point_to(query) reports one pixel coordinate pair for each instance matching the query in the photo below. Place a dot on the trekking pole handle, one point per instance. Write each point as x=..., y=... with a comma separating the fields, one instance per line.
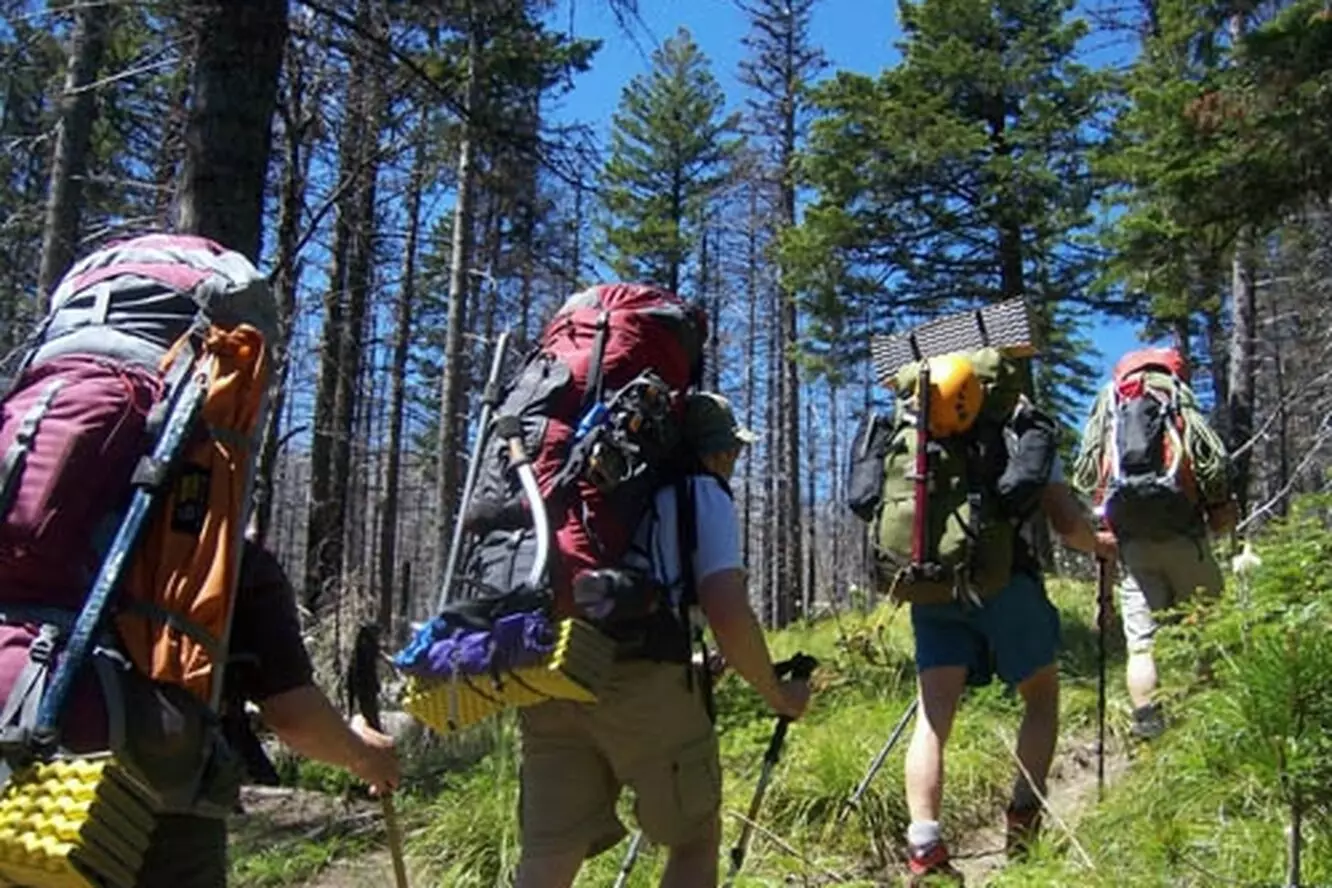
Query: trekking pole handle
x=798, y=668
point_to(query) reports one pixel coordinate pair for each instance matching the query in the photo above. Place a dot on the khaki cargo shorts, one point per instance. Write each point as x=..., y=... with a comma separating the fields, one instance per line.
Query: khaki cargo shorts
x=1161, y=575
x=648, y=731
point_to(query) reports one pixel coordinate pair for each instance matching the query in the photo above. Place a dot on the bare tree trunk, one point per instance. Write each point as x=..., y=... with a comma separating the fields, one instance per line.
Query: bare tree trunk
x=774, y=503
x=238, y=58
x=835, y=522
x=811, y=475
x=286, y=280
x=1242, y=378
x=751, y=357
x=402, y=333
x=323, y=543
x=69, y=159
x=459, y=262
x=346, y=392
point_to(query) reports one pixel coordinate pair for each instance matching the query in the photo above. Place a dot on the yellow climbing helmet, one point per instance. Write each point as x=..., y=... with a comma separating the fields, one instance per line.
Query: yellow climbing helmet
x=955, y=394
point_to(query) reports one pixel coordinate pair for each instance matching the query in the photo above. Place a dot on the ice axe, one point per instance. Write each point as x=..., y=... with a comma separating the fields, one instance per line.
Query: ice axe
x=363, y=681
x=800, y=668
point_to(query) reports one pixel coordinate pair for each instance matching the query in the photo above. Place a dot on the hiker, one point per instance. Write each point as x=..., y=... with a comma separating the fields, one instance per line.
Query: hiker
x=270, y=668
x=1161, y=510
x=1016, y=634
x=651, y=728
x=951, y=486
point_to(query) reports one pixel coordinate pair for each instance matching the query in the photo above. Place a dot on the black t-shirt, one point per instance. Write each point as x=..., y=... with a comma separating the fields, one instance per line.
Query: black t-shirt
x=268, y=656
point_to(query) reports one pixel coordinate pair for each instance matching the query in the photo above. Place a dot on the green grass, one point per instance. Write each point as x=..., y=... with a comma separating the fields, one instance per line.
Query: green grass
x=1203, y=805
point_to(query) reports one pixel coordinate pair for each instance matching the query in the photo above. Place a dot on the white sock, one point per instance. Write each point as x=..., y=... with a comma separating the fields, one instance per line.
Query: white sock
x=922, y=833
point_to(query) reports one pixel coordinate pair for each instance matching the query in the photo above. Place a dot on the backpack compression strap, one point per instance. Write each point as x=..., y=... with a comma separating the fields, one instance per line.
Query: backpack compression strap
x=687, y=534
x=186, y=398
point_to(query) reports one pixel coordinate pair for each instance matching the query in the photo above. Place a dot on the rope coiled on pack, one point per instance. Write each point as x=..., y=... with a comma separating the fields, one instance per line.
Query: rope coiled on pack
x=1204, y=446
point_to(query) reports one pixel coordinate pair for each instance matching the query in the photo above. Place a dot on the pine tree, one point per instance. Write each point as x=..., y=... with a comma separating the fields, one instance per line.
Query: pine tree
x=671, y=144
x=962, y=176
x=782, y=62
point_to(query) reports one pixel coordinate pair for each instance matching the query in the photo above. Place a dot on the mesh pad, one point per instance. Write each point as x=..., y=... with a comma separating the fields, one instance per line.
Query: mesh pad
x=72, y=823
x=1004, y=325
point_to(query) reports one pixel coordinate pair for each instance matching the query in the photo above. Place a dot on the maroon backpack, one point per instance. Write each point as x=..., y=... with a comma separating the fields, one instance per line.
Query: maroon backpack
x=600, y=401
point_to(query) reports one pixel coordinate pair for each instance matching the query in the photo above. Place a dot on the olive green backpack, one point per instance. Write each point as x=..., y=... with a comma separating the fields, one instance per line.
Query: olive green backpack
x=970, y=536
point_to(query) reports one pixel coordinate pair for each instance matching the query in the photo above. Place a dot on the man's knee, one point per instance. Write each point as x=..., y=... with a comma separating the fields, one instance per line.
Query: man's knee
x=940, y=692
x=1041, y=688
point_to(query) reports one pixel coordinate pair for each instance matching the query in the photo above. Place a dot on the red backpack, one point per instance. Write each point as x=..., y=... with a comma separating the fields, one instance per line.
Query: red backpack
x=600, y=401
x=128, y=440
x=1147, y=486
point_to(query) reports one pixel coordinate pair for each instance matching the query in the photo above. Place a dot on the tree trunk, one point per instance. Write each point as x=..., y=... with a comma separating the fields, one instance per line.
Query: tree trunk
x=69, y=159
x=459, y=262
x=834, y=523
x=323, y=544
x=751, y=359
x=402, y=333
x=347, y=390
x=238, y=58
x=286, y=280
x=774, y=503
x=811, y=475
x=1242, y=378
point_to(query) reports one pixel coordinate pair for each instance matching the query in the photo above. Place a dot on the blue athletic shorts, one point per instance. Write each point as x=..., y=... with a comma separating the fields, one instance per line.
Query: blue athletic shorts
x=1014, y=634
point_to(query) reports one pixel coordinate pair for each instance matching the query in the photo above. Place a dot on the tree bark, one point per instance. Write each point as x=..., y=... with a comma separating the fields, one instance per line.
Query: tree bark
x=402, y=333
x=459, y=261
x=286, y=280
x=69, y=158
x=1242, y=383
x=238, y=57
x=323, y=545
x=751, y=358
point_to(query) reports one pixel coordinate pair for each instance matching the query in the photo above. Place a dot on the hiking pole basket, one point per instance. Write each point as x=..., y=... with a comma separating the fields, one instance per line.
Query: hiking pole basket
x=877, y=763
x=799, y=668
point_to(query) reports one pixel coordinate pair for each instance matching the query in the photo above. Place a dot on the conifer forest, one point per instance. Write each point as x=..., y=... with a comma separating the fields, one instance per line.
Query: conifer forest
x=393, y=168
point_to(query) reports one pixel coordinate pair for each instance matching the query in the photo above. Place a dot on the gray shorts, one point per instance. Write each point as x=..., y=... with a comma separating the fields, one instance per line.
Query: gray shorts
x=1161, y=575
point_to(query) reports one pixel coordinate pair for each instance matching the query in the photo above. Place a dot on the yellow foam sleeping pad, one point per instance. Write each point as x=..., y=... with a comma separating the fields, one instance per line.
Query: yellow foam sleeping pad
x=72, y=823
x=576, y=669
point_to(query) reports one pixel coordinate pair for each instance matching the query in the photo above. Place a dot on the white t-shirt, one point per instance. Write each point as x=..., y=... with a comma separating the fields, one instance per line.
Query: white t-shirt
x=656, y=546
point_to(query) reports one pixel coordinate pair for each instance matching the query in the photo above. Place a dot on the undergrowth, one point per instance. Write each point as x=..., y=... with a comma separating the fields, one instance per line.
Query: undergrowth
x=1248, y=688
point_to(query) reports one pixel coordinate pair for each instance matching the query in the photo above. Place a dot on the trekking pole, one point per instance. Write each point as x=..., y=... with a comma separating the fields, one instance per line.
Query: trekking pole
x=489, y=400
x=800, y=668
x=879, y=759
x=1102, y=619
x=630, y=858
x=364, y=681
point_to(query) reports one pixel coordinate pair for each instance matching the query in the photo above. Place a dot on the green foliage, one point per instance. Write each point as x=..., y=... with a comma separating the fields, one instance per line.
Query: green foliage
x=671, y=146
x=1248, y=685
x=959, y=177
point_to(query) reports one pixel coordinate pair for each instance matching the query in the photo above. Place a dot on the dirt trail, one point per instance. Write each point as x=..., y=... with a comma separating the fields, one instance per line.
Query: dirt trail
x=1072, y=791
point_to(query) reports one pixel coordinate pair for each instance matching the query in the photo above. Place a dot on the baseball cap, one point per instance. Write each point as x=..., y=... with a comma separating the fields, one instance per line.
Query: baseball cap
x=710, y=424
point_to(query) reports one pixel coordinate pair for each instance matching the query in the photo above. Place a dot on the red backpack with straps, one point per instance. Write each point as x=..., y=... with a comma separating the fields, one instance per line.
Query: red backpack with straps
x=1147, y=484
x=601, y=404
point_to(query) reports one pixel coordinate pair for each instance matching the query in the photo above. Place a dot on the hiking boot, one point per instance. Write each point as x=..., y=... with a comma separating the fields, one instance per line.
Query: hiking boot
x=1148, y=722
x=930, y=865
x=1022, y=826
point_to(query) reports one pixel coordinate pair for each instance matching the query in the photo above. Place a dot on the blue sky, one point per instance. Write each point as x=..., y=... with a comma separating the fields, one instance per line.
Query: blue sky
x=855, y=35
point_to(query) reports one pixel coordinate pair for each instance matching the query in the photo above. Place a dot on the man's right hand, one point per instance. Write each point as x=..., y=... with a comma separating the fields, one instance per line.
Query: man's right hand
x=376, y=762
x=791, y=699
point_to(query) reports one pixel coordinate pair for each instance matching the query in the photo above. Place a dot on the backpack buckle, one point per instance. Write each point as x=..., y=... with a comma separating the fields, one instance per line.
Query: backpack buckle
x=43, y=647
